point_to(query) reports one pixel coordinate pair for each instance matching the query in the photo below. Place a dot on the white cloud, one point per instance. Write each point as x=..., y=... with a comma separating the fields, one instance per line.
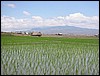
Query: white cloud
x=37, y=18
x=11, y=5
x=11, y=24
x=26, y=13
x=77, y=19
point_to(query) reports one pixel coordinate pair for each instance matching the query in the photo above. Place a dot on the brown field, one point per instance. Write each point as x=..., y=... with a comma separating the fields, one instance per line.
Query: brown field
x=53, y=35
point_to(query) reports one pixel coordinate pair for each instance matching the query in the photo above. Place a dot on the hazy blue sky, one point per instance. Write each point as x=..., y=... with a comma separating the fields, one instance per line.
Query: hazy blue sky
x=50, y=8
x=15, y=14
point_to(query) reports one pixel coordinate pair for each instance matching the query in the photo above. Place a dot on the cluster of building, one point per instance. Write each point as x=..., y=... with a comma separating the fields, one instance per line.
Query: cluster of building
x=29, y=33
x=22, y=32
x=97, y=35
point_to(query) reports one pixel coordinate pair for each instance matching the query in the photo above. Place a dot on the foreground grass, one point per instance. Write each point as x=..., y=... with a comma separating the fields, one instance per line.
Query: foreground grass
x=26, y=55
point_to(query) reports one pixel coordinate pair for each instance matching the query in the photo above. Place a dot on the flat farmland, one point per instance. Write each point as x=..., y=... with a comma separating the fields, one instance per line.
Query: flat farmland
x=27, y=55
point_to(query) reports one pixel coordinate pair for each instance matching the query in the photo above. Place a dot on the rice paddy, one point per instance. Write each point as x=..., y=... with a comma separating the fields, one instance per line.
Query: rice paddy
x=27, y=55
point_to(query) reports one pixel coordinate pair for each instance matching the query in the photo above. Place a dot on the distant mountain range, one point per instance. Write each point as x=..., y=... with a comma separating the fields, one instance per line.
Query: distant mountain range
x=66, y=30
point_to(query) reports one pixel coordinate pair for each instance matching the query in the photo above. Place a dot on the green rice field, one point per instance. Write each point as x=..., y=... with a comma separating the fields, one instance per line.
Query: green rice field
x=27, y=55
